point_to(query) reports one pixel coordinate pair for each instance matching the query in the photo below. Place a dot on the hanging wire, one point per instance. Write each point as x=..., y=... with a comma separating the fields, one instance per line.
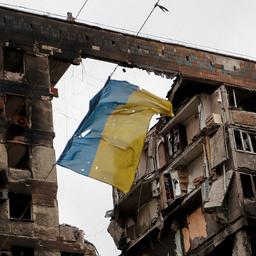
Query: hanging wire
x=137, y=34
x=81, y=9
x=49, y=173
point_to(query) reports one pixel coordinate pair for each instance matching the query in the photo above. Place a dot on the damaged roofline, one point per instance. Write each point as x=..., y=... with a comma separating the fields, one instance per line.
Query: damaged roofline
x=69, y=41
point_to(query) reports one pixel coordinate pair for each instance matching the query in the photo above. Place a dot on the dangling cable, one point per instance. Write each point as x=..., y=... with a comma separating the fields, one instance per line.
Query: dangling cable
x=81, y=9
x=142, y=26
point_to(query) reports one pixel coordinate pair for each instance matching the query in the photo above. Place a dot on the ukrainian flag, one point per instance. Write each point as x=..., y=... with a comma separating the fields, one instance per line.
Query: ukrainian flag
x=108, y=143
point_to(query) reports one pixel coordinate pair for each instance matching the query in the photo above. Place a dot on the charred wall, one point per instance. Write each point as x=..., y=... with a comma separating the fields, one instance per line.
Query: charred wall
x=29, y=222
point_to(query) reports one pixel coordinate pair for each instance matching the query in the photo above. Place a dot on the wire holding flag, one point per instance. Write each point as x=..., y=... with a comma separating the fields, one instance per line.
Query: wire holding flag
x=108, y=143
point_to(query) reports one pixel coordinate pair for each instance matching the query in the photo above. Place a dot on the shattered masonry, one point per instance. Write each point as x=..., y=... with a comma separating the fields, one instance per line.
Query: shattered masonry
x=195, y=189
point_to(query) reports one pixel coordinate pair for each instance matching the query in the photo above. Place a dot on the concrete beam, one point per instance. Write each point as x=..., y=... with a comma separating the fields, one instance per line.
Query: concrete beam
x=69, y=40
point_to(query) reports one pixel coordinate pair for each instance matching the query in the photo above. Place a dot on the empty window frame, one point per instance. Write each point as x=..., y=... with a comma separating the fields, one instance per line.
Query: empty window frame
x=18, y=156
x=242, y=99
x=22, y=251
x=245, y=141
x=168, y=184
x=3, y=177
x=17, y=109
x=252, y=236
x=224, y=248
x=248, y=183
x=13, y=60
x=177, y=140
x=20, y=206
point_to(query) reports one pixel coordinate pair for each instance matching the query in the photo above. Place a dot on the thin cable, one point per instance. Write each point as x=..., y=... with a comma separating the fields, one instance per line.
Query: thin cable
x=113, y=72
x=26, y=208
x=156, y=4
x=144, y=23
x=155, y=37
x=81, y=9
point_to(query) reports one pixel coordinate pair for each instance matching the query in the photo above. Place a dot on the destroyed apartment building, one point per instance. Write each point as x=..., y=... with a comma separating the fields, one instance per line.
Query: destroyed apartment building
x=29, y=223
x=195, y=188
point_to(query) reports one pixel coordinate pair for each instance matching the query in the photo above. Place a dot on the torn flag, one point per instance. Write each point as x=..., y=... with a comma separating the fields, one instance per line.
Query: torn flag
x=108, y=143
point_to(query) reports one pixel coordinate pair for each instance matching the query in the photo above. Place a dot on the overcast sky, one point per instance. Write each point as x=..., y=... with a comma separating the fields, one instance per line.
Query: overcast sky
x=224, y=25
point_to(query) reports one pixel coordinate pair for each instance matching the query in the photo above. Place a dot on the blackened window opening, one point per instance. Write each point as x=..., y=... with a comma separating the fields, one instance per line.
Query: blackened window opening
x=18, y=156
x=20, y=206
x=242, y=99
x=3, y=177
x=168, y=186
x=16, y=109
x=253, y=141
x=15, y=131
x=253, y=244
x=247, y=186
x=177, y=140
x=13, y=60
x=238, y=140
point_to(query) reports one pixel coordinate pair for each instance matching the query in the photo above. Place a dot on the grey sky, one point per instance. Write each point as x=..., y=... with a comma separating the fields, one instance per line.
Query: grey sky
x=226, y=25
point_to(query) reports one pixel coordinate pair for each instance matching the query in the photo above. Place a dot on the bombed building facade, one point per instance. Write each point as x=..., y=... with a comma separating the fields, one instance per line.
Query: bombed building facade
x=29, y=222
x=195, y=188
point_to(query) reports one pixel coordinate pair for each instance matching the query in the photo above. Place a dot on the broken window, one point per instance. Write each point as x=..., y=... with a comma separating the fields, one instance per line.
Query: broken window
x=13, y=60
x=20, y=206
x=245, y=141
x=17, y=114
x=22, y=251
x=168, y=186
x=15, y=132
x=16, y=110
x=177, y=140
x=242, y=99
x=3, y=177
x=253, y=244
x=176, y=183
x=16, y=106
x=18, y=156
x=248, y=185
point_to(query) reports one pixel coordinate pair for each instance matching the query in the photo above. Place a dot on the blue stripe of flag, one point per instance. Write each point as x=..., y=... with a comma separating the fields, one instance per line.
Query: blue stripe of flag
x=81, y=149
